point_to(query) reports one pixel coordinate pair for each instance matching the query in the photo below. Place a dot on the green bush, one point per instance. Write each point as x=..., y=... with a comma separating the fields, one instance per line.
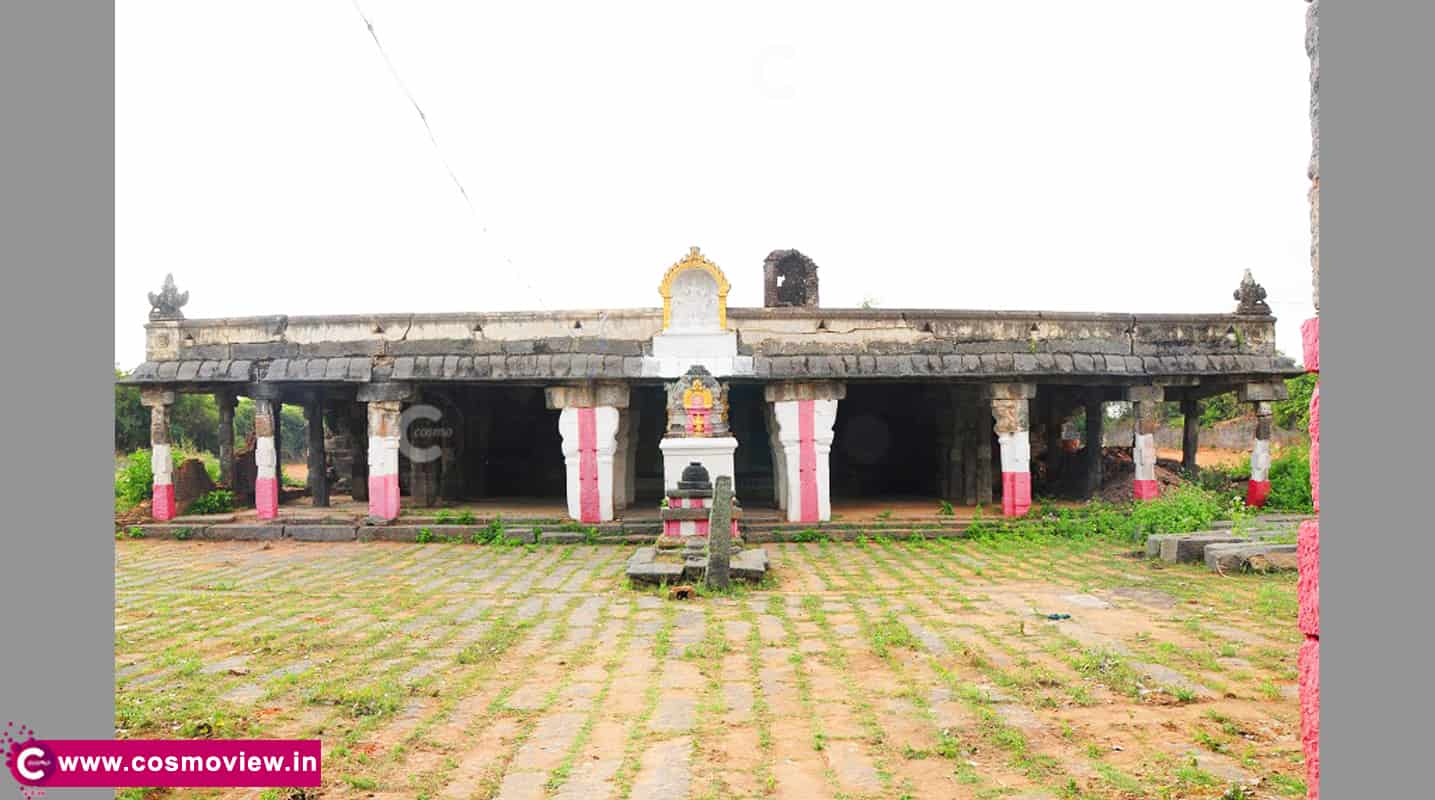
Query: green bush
x=1179, y=510
x=1290, y=481
x=219, y=501
x=1293, y=413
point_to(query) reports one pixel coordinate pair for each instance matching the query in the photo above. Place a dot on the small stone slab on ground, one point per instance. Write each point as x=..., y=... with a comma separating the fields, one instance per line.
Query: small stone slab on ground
x=1259, y=557
x=203, y=519
x=240, y=532
x=1191, y=547
x=320, y=533
x=658, y=566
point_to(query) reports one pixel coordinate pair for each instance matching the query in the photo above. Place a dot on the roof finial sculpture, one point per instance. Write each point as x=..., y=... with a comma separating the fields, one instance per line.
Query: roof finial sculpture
x=167, y=304
x=1251, y=297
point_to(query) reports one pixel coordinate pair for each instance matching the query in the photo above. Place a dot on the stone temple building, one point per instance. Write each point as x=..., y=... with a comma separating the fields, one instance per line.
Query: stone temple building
x=598, y=412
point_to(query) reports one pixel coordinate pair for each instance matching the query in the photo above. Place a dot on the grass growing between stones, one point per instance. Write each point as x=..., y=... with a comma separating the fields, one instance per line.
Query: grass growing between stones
x=869, y=669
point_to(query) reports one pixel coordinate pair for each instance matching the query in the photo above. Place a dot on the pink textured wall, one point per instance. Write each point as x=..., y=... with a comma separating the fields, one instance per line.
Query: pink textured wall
x=1308, y=586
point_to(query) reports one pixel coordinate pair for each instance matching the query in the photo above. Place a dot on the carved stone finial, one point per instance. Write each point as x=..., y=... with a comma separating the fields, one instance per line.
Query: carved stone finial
x=169, y=301
x=1251, y=297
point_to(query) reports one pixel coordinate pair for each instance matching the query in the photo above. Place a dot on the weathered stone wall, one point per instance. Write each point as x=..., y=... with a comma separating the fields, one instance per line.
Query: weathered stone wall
x=1235, y=434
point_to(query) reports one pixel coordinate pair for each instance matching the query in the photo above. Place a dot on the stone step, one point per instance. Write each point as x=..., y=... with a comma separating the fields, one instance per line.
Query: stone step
x=1258, y=557
x=1191, y=547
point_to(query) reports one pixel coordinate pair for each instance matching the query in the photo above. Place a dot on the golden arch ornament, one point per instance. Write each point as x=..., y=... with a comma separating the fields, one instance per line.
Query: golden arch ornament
x=694, y=260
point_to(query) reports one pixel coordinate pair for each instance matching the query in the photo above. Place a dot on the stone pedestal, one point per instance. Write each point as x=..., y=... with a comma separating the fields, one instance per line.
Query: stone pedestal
x=715, y=454
x=161, y=460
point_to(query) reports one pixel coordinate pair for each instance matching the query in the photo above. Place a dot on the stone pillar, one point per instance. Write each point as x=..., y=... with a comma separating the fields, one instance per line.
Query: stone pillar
x=805, y=414
x=385, y=407
x=266, y=451
x=226, y=402
x=1055, y=413
x=950, y=442
x=318, y=479
x=158, y=401
x=779, y=459
x=1260, y=396
x=621, y=464
x=630, y=464
x=1095, y=423
x=982, y=441
x=1012, y=414
x=1190, y=432
x=359, y=462
x=1147, y=413
x=588, y=421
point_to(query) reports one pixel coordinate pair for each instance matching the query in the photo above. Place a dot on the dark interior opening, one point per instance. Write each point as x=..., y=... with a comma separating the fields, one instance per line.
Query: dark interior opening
x=886, y=442
x=651, y=405
x=747, y=417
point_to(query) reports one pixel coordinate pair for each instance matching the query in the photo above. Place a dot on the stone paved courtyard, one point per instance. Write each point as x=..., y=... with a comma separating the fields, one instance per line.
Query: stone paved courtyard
x=874, y=669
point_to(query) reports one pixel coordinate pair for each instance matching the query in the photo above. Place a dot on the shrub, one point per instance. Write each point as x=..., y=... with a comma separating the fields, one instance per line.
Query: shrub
x=218, y=501
x=134, y=481
x=1180, y=510
x=1290, y=481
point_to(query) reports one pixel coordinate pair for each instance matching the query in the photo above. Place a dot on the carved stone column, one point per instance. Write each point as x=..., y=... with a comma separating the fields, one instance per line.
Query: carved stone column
x=1261, y=395
x=1147, y=400
x=266, y=451
x=158, y=401
x=385, y=401
x=1012, y=414
x=226, y=402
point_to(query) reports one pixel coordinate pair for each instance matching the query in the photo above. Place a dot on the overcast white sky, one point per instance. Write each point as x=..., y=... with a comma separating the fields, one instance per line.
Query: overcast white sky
x=1125, y=155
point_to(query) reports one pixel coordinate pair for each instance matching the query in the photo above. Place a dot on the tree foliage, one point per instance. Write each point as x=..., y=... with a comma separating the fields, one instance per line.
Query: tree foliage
x=194, y=423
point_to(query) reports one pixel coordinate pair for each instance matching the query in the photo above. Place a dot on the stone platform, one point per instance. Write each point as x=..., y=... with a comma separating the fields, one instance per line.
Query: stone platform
x=689, y=565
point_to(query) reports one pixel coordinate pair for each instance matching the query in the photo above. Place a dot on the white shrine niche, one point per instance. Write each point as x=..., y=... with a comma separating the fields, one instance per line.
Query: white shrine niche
x=695, y=329
x=694, y=303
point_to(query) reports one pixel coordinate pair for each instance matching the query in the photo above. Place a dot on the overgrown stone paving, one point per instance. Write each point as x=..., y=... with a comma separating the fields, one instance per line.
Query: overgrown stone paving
x=871, y=669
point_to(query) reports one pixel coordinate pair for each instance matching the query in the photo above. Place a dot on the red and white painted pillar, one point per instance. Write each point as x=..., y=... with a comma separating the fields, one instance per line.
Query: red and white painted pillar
x=1147, y=413
x=588, y=420
x=1259, y=487
x=385, y=432
x=804, y=414
x=266, y=459
x=1011, y=412
x=161, y=460
x=1260, y=395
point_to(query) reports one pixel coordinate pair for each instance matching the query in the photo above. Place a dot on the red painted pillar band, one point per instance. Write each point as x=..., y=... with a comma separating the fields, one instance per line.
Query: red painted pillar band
x=384, y=496
x=162, y=505
x=589, y=504
x=1257, y=492
x=807, y=461
x=1016, y=493
x=1146, y=490
x=266, y=497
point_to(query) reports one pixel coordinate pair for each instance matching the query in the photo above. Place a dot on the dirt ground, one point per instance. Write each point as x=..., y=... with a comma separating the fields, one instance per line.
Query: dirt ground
x=866, y=670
